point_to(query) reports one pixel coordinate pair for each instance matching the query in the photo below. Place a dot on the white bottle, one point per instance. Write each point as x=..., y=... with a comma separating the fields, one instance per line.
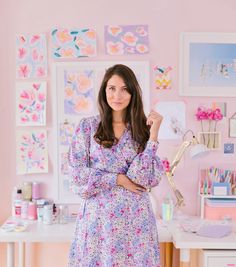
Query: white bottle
x=13, y=199
x=18, y=201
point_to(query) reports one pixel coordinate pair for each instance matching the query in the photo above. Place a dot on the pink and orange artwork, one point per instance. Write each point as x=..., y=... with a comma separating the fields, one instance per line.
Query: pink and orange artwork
x=79, y=92
x=126, y=39
x=73, y=43
x=66, y=133
x=31, y=103
x=32, y=152
x=162, y=77
x=31, y=56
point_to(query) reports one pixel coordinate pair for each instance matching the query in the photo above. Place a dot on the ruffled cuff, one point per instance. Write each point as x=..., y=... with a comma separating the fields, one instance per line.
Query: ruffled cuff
x=151, y=147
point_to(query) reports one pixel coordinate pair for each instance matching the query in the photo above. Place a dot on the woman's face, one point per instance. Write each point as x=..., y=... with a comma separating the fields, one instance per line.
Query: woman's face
x=118, y=97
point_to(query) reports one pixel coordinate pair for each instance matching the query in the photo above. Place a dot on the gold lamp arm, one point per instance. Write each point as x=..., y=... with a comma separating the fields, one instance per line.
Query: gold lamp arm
x=170, y=173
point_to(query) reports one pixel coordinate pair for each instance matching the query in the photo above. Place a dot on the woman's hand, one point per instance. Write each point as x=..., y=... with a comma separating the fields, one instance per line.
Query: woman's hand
x=154, y=119
x=124, y=181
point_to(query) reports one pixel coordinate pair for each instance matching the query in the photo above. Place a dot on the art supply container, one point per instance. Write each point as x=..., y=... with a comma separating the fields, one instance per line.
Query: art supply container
x=36, y=193
x=27, y=190
x=63, y=214
x=48, y=214
x=32, y=211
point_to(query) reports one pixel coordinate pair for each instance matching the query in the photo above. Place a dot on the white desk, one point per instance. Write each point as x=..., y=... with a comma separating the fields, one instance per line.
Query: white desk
x=187, y=241
x=39, y=232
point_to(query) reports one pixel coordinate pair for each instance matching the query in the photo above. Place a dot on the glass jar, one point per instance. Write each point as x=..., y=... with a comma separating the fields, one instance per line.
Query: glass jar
x=63, y=214
x=27, y=190
x=47, y=214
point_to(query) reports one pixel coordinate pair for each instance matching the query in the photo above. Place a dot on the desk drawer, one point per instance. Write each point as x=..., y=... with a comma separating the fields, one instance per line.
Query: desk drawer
x=218, y=213
x=218, y=258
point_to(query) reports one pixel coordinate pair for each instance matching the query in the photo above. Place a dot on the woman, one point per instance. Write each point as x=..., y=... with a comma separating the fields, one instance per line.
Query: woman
x=113, y=165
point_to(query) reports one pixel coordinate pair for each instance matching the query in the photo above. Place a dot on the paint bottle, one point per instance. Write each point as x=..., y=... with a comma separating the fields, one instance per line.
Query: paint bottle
x=32, y=211
x=18, y=202
x=13, y=199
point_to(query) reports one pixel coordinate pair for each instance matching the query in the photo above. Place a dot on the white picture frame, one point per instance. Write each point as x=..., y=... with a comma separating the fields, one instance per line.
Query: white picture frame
x=207, y=64
x=140, y=68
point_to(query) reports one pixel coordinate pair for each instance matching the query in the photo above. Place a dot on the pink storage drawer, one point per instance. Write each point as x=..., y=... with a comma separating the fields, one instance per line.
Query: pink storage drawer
x=216, y=213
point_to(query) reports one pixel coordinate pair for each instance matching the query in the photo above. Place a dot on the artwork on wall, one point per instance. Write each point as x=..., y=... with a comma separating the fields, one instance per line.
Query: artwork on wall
x=79, y=92
x=66, y=132
x=173, y=125
x=76, y=86
x=31, y=56
x=73, y=43
x=232, y=125
x=32, y=151
x=228, y=148
x=31, y=103
x=222, y=106
x=126, y=39
x=162, y=77
x=208, y=64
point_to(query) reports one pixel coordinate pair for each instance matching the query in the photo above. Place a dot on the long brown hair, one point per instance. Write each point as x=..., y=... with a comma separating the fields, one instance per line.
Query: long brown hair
x=135, y=116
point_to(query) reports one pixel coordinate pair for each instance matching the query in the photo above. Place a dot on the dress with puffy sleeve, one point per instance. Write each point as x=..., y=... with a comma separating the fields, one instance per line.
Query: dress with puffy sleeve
x=114, y=227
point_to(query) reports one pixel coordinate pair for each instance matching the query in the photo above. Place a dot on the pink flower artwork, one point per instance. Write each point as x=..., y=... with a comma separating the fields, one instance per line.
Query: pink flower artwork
x=31, y=56
x=79, y=92
x=32, y=154
x=31, y=103
x=73, y=43
x=126, y=39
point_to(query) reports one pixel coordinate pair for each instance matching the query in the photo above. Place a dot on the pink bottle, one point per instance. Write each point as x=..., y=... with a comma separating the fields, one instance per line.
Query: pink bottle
x=32, y=211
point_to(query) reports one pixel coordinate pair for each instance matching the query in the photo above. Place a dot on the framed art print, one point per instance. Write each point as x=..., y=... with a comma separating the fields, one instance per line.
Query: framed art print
x=208, y=64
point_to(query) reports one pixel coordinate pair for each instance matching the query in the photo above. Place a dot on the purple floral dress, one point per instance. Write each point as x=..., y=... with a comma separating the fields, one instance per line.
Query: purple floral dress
x=115, y=227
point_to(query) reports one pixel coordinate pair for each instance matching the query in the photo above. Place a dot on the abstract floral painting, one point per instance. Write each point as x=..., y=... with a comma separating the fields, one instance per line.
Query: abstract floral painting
x=73, y=43
x=30, y=103
x=126, y=39
x=66, y=133
x=79, y=92
x=162, y=77
x=31, y=56
x=32, y=152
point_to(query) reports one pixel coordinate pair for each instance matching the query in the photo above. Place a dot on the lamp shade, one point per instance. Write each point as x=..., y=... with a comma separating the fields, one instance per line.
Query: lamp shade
x=198, y=150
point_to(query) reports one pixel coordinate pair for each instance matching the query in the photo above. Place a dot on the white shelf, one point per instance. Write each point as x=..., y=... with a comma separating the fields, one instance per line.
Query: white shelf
x=217, y=196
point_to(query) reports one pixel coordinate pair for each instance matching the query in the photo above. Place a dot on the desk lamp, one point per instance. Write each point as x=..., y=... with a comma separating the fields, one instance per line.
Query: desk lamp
x=195, y=151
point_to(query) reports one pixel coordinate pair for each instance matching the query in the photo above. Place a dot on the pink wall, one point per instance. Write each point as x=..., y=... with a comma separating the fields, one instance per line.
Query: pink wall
x=166, y=19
